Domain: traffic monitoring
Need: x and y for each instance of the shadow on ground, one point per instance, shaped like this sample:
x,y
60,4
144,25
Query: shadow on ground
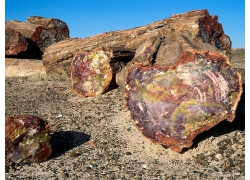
x,y
64,141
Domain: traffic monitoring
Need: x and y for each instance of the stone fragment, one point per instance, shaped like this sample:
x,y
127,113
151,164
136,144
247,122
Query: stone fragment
x,y
27,139
171,105
15,42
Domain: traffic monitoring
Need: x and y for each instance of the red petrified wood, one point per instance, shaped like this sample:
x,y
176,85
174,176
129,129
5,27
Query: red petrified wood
x,y
27,139
15,42
170,105
91,72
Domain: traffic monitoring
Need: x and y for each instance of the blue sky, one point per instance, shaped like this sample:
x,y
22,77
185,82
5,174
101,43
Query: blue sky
x,y
90,17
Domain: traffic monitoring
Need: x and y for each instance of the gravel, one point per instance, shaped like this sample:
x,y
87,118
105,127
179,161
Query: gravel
x,y
94,138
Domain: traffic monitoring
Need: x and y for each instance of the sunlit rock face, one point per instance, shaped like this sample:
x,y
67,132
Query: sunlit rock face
x,y
91,72
170,105
27,139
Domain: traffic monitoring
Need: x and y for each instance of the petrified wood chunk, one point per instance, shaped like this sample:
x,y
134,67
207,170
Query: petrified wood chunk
x,y
15,42
91,72
27,139
39,33
170,105
192,30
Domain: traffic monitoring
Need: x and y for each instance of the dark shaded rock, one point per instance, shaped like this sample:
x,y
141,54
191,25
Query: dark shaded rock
x,y
171,105
27,139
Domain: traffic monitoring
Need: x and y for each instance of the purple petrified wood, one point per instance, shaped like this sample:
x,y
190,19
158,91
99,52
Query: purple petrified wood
x,y
170,105
27,139
91,73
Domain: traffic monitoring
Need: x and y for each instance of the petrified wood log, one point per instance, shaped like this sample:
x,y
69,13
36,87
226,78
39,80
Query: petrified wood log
x,y
15,42
27,139
39,33
170,105
91,72
192,30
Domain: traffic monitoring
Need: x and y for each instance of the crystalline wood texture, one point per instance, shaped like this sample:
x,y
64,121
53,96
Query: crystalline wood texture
x,y
170,105
27,139
91,72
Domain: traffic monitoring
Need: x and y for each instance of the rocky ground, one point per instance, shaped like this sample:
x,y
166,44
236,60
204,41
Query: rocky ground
x,y
94,138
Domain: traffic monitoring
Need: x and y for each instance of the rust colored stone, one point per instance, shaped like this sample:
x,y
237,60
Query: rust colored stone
x,y
15,42
171,105
39,33
27,139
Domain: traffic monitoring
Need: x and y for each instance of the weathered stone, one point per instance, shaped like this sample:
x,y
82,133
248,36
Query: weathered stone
x,y
15,42
192,30
27,139
39,33
171,105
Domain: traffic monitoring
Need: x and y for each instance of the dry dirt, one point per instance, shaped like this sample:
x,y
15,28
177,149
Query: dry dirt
x,y
94,138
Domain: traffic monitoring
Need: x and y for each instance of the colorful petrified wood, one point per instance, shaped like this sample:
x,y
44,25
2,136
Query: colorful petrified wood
x,y
91,72
27,139
170,105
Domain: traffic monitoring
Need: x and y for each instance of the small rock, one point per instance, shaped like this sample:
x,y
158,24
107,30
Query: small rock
x,y
116,168
27,139
218,156
234,147
74,154
128,153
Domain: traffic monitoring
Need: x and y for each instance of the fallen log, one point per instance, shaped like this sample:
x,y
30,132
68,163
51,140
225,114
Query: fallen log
x,y
171,105
192,30
39,33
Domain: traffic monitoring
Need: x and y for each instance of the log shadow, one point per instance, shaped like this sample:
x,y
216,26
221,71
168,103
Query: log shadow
x,y
32,52
64,141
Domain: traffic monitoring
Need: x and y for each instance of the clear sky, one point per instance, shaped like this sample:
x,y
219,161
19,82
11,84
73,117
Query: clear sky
x,y
90,17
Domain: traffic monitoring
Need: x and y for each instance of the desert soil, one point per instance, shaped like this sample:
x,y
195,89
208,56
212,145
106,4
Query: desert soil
x,y
94,138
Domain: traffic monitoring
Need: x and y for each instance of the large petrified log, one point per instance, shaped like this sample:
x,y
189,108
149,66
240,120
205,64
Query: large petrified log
x,y
39,33
192,30
170,105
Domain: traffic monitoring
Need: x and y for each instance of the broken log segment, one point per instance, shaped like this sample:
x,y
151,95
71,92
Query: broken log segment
x,y
171,105
91,72
191,30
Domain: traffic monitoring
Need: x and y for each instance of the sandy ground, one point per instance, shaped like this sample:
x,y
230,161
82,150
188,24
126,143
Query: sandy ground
x,y
94,138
